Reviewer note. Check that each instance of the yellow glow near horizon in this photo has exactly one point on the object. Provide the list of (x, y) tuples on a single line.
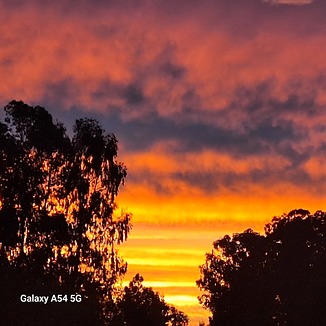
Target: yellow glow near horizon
[(172, 233), (163, 284), (182, 300)]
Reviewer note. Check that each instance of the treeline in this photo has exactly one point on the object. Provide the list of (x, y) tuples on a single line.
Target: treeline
[(59, 263)]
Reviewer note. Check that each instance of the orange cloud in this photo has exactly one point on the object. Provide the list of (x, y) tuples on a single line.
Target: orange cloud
[(99, 54)]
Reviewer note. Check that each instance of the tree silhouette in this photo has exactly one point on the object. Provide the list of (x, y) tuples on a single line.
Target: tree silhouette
[(274, 279), (141, 306), (57, 198)]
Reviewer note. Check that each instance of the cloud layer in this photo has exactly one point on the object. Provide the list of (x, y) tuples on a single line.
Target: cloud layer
[(221, 97), (219, 105)]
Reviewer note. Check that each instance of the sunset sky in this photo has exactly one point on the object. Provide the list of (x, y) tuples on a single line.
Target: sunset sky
[(218, 107)]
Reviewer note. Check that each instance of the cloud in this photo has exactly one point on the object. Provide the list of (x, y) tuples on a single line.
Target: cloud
[(164, 50)]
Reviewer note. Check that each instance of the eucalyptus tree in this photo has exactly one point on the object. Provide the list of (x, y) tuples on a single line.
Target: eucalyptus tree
[(278, 278), (57, 200)]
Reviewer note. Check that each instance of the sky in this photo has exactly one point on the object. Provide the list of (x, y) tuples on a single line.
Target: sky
[(218, 107)]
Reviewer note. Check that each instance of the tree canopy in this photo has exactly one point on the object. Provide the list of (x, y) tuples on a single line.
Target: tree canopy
[(278, 278), (57, 198)]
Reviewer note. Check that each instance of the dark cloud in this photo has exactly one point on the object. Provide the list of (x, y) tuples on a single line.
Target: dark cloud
[(173, 70), (264, 138), (220, 177), (151, 180), (212, 181), (272, 134), (57, 92), (263, 100), (107, 90), (133, 95)]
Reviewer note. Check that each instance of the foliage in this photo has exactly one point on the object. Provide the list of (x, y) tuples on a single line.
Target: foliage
[(57, 198), (274, 279), (141, 306)]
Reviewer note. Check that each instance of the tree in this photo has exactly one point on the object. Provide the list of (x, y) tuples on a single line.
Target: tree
[(57, 198), (274, 279), (141, 306)]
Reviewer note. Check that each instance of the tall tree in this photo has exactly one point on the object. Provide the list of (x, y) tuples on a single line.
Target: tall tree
[(57, 199), (274, 279)]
